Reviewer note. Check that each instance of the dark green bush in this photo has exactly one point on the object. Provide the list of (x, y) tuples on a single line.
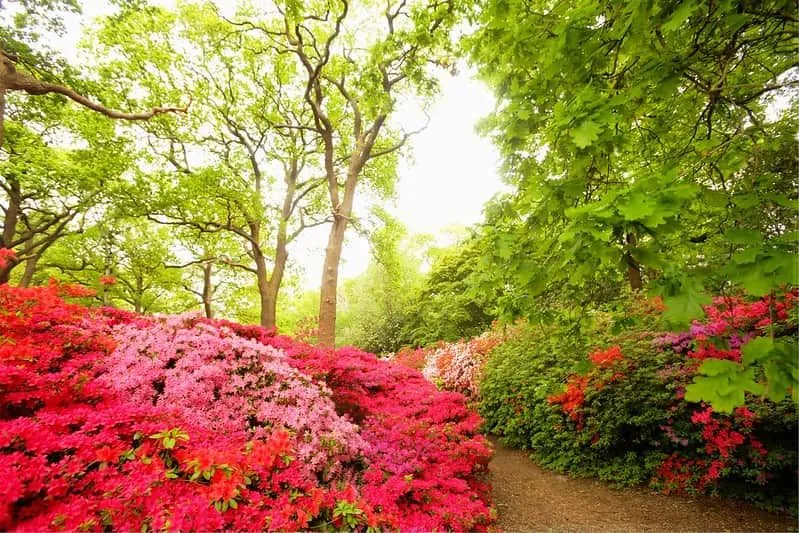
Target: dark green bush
[(603, 397)]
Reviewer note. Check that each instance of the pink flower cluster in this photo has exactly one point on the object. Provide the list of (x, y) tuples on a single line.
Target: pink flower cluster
[(113, 421), (230, 384), (729, 444), (456, 366)]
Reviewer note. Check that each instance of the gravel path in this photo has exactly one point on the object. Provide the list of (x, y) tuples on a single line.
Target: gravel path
[(529, 498)]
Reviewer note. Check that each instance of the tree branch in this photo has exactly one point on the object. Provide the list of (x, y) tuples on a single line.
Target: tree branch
[(12, 79)]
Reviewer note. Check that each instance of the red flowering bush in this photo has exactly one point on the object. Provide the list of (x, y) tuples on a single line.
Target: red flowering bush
[(112, 421), (621, 414), (412, 358)]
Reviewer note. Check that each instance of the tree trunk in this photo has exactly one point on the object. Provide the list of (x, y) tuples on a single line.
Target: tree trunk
[(5, 272), (341, 215), (633, 266), (329, 287), (207, 289), (273, 285), (266, 292), (139, 296), (30, 270), (10, 225)]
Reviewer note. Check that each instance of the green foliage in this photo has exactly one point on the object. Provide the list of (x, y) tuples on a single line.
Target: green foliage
[(133, 254), (649, 138), (297, 312), (534, 364), (376, 305), (448, 307), (723, 383), (649, 143), (52, 185), (623, 419)]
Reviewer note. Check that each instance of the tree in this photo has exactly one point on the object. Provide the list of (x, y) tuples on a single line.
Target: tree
[(353, 65), (637, 135), (627, 128), (126, 261), (17, 50), (243, 164), (377, 304), (46, 183), (48, 186), (451, 304), (213, 257)]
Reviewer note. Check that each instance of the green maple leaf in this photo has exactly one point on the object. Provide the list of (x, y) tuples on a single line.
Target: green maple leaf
[(722, 384), (637, 207), (682, 308), (586, 133)]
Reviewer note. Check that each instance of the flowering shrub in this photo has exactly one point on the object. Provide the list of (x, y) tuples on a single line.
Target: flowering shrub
[(412, 358), (110, 420), (107, 280), (620, 413), (232, 385), (455, 366)]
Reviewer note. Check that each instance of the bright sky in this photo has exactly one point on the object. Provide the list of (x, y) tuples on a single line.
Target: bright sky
[(451, 174)]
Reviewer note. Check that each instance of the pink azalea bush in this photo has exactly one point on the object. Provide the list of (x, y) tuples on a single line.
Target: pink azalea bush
[(113, 421), (232, 385)]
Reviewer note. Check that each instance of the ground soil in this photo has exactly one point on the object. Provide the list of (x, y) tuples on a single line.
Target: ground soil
[(529, 498)]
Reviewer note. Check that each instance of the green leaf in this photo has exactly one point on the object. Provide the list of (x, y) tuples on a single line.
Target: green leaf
[(715, 367), (684, 307), (756, 350), (743, 236), (638, 207), (723, 385), (586, 133), (680, 15)]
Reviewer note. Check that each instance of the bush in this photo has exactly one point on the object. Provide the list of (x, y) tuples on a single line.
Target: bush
[(114, 421), (619, 413), (458, 366)]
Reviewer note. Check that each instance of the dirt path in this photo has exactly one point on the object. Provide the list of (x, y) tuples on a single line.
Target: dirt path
[(529, 498)]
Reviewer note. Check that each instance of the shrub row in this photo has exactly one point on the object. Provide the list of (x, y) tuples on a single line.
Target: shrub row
[(606, 399), (114, 421)]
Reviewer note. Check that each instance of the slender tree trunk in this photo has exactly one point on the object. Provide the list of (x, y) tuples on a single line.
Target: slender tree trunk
[(266, 292), (273, 285), (12, 213), (329, 287), (137, 298), (633, 266), (105, 298), (10, 224), (269, 285), (30, 270), (208, 289), (335, 242)]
